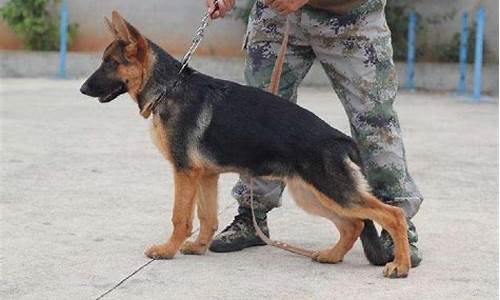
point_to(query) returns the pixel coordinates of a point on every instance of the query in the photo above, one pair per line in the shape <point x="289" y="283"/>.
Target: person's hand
<point x="219" y="11"/>
<point x="285" y="7"/>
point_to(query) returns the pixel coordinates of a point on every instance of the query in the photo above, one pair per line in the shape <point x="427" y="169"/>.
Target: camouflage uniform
<point x="356" y="53"/>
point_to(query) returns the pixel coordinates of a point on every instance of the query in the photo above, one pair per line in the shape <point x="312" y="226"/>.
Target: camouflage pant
<point x="355" y="51"/>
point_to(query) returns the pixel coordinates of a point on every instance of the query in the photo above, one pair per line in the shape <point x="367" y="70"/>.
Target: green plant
<point x="34" y="23"/>
<point x="396" y="14"/>
<point x="449" y="52"/>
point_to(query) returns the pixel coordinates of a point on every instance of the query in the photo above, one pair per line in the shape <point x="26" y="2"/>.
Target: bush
<point x="33" y="22"/>
<point x="397" y="20"/>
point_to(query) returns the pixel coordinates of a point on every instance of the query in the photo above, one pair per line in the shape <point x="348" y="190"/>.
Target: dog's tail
<point x="369" y="236"/>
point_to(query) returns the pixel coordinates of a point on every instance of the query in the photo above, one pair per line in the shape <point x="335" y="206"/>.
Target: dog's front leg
<point x="207" y="214"/>
<point x="186" y="183"/>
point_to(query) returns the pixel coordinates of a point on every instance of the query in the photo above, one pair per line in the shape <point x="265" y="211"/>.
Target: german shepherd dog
<point x="206" y="126"/>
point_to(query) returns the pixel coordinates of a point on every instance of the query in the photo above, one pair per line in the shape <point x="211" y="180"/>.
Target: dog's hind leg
<point x="393" y="220"/>
<point x="349" y="230"/>
<point x="207" y="214"/>
<point x="186" y="183"/>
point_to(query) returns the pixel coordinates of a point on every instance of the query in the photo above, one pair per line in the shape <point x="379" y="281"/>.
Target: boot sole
<point x="221" y="248"/>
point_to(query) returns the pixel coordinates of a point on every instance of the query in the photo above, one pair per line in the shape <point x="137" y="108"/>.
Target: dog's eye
<point x="109" y="62"/>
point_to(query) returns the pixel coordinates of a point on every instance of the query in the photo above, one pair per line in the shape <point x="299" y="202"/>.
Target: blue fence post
<point x="478" y="53"/>
<point x="412" y="22"/>
<point x="464" y="36"/>
<point x="63" y="39"/>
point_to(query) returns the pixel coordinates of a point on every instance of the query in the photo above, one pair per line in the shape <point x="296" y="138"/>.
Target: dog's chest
<point x="161" y="137"/>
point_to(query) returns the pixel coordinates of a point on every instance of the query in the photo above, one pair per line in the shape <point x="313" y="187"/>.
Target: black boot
<point x="240" y="234"/>
<point x="388" y="244"/>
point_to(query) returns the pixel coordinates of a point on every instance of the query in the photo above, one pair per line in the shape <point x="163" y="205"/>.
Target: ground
<point x="84" y="192"/>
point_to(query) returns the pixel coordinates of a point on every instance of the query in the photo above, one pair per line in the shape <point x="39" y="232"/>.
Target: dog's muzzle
<point x="84" y="89"/>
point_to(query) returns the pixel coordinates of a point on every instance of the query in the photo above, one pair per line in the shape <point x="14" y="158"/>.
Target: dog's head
<point x="124" y="63"/>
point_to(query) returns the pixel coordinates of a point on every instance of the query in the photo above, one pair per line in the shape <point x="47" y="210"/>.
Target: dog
<point x="206" y="126"/>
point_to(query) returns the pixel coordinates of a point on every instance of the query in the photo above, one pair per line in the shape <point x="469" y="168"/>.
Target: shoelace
<point x="238" y="219"/>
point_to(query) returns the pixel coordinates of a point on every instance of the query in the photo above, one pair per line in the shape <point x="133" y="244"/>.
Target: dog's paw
<point x="193" y="248"/>
<point x="395" y="270"/>
<point x="161" y="251"/>
<point x="327" y="256"/>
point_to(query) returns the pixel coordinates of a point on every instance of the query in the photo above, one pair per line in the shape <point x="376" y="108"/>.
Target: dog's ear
<point x="119" y="24"/>
<point x="135" y="41"/>
<point x="110" y="27"/>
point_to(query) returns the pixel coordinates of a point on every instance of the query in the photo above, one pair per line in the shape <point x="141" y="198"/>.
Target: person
<point x="352" y="41"/>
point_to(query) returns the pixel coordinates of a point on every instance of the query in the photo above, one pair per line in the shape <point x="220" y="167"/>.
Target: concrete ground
<point x="84" y="192"/>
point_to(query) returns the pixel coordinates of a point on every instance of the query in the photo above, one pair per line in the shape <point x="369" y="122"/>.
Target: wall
<point x="441" y="31"/>
<point x="172" y="23"/>
<point x="428" y="76"/>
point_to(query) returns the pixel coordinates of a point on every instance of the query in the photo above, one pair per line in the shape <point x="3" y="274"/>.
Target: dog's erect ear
<point x="121" y="28"/>
<point x="110" y="27"/>
<point x="136" y="43"/>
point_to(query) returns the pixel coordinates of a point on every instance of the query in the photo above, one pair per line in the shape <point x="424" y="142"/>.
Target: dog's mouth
<point x="121" y="89"/>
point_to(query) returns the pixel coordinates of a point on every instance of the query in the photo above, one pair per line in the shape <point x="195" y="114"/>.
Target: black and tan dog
<point x="206" y="126"/>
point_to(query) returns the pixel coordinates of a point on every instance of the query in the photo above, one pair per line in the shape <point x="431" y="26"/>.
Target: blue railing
<point x="63" y="39"/>
<point x="412" y="24"/>
<point x="478" y="54"/>
<point x="464" y="36"/>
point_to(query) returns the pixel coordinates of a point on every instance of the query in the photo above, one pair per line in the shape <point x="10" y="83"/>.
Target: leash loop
<point x="277" y="244"/>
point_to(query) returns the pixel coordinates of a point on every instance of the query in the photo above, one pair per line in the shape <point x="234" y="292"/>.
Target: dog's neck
<point x="161" y="81"/>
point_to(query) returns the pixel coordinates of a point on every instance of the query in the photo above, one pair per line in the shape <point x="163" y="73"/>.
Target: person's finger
<point x="212" y="9"/>
<point x="211" y="6"/>
<point x="274" y="5"/>
<point x="282" y="7"/>
<point x="222" y="8"/>
<point x="279" y="6"/>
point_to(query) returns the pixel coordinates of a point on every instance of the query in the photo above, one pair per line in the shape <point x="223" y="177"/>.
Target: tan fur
<point x="133" y="76"/>
<point x="361" y="182"/>
<point x="349" y="223"/>
<point x="207" y="214"/>
<point x="161" y="137"/>
<point x="186" y="183"/>
<point x="349" y="230"/>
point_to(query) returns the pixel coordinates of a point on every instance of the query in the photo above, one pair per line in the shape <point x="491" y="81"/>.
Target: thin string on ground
<point x="147" y="263"/>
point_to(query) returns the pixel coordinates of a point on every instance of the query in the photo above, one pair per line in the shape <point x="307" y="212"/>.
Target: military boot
<point x="240" y="234"/>
<point x="388" y="244"/>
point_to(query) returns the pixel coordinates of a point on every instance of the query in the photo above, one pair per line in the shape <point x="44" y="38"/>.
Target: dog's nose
<point x="85" y="89"/>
